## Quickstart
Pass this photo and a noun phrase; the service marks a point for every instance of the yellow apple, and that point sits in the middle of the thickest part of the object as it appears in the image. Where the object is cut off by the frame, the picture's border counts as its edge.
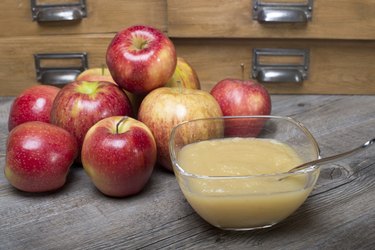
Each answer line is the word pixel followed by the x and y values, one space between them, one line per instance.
pixel 164 108
pixel 184 75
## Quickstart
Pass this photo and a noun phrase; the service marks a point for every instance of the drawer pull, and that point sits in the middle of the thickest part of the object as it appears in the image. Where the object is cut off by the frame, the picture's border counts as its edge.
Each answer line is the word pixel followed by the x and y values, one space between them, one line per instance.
pixel 59 75
pixel 268 72
pixel 282 12
pixel 58 12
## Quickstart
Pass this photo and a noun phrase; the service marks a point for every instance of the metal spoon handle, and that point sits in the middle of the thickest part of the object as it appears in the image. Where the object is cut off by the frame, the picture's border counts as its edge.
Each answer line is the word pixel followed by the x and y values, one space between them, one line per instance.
pixel 333 157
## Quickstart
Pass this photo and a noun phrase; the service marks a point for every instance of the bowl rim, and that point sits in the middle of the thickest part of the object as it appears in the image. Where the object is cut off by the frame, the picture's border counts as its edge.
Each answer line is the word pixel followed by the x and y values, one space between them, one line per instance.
pixel 309 169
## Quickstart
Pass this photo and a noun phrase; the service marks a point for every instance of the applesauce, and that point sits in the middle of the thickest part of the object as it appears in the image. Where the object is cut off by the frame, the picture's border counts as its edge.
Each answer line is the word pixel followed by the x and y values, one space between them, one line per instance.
pixel 251 200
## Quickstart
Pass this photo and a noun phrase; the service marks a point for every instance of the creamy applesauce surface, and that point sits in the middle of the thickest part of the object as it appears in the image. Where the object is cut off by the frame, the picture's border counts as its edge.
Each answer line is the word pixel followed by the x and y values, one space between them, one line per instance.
pixel 239 203
pixel 238 156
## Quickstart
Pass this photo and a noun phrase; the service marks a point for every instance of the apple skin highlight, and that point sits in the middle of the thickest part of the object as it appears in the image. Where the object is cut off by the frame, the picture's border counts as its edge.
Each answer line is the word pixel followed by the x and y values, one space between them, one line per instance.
pixel 33 104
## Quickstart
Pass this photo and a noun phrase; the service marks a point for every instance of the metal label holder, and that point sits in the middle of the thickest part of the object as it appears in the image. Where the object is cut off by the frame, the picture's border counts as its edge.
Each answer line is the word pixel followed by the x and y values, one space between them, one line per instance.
pixel 58 12
pixel 271 73
pixel 282 12
pixel 59 75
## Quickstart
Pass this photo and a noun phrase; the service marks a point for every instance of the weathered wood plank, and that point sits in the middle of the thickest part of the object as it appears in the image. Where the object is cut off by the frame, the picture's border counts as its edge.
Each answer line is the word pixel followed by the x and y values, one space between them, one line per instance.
pixel 102 17
pixel 343 67
pixel 334 19
pixel 338 214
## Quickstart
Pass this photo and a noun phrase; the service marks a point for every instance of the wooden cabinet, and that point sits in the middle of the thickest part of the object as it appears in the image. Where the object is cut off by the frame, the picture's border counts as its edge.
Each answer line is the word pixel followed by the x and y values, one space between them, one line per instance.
pixel 215 36
pixel 21 37
pixel 101 17
pixel 218 36
pixel 335 68
pixel 334 19
pixel 17 61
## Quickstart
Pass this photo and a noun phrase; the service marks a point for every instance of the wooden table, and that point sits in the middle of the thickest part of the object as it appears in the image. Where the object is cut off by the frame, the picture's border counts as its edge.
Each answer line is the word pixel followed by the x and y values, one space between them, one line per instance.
pixel 339 214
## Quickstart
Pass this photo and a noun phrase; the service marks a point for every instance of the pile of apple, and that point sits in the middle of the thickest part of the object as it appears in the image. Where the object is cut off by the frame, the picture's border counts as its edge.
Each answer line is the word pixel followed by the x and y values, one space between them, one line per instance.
pixel 116 121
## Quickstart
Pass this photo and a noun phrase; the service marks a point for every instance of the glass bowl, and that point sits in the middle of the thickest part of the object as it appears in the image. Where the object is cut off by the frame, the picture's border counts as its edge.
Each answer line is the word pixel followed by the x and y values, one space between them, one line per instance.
pixel 233 200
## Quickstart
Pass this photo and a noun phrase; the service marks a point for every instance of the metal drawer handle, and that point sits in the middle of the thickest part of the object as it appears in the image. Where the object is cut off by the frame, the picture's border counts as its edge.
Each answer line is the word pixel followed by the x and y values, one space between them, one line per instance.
pixel 283 72
pixel 59 75
pixel 58 12
pixel 282 12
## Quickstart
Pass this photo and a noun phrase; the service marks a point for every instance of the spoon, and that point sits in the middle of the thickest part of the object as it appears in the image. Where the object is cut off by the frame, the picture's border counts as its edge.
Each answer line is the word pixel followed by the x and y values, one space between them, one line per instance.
pixel 333 157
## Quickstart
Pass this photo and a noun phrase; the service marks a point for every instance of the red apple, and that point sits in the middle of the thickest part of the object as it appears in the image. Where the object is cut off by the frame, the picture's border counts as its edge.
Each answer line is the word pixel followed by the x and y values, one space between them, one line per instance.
pixel 38 156
pixel 164 108
pixel 103 74
pixel 240 98
pixel 141 58
pixel 80 104
pixel 119 154
pixel 184 75
pixel 33 104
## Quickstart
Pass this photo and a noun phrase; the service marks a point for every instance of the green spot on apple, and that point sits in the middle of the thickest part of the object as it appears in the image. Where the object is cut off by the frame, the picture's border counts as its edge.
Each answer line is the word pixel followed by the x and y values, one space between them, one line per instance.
pixel 140 43
pixel 87 87
pixel 8 173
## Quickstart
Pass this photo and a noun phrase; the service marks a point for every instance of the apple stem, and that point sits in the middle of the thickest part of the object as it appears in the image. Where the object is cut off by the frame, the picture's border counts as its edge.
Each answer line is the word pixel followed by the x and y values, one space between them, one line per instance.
pixel 143 45
pixel 119 123
pixel 179 85
pixel 102 69
pixel 243 71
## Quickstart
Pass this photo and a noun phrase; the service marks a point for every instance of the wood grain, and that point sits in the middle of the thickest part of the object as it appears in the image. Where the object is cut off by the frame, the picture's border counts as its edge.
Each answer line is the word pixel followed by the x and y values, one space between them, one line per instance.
pixel 339 19
pixel 102 17
pixel 339 214
pixel 17 62
pixel 336 67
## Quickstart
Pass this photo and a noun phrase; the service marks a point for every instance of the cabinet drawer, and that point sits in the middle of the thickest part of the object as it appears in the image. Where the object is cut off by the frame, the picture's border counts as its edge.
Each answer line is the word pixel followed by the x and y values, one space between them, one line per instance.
pixel 336 19
pixel 102 17
pixel 335 67
pixel 17 56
